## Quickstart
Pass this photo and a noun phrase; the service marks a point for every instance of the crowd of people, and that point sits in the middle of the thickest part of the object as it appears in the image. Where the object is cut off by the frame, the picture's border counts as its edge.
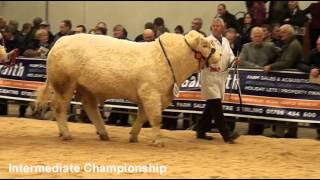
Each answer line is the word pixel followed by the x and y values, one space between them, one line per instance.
pixel 267 40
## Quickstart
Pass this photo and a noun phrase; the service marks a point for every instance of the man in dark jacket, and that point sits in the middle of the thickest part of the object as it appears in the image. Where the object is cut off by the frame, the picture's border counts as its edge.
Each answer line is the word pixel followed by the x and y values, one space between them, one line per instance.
pixel 229 19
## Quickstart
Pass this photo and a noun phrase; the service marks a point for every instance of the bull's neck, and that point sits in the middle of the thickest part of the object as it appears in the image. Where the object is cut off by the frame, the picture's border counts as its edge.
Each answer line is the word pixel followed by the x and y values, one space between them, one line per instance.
pixel 182 59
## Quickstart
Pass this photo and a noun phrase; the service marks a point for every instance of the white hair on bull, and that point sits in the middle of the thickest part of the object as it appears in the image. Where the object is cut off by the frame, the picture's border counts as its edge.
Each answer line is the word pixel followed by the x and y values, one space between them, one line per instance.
pixel 100 67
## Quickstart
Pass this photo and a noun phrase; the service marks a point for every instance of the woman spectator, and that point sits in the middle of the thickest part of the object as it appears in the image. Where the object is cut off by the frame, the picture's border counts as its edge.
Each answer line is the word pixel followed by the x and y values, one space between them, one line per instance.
pixel 246 26
pixel 40 45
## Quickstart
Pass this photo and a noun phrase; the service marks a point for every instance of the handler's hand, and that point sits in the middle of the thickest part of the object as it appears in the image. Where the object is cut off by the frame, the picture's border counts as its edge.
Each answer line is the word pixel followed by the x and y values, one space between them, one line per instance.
pixel 314 72
pixel 267 69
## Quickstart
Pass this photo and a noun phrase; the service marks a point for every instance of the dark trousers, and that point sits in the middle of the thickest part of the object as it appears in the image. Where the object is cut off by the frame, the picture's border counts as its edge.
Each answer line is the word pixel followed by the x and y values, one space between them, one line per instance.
pixel 23 110
pixel 213 110
pixel 314 34
pixel 3 107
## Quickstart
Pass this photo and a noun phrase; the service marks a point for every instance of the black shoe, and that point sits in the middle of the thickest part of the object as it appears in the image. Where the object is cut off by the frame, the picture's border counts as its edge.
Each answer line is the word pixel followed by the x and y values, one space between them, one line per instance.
pixel 204 136
pixel 290 136
pixel 232 137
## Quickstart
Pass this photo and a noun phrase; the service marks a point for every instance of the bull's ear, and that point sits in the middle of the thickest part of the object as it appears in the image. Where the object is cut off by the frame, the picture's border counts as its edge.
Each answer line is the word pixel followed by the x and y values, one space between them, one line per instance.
pixel 193 38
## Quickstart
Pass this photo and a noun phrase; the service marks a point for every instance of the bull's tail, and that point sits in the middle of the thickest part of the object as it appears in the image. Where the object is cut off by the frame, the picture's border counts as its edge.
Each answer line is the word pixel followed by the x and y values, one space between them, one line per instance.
pixel 42 98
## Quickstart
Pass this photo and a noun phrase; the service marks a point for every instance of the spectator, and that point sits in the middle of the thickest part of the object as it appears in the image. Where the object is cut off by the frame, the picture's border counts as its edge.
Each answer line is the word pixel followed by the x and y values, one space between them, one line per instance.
pixel 100 31
pixel 275 35
pixel 178 29
pixel 30 36
pixel 245 28
pixel 3 24
pixel 295 16
pixel 80 29
pixel 120 32
pixel 314 26
pixel 196 25
pixel 234 41
pixel 291 50
pixel 139 38
pixel 26 28
pixel 40 46
pixel 290 56
pixel 64 30
pixel 12 40
pixel 257 54
pixel 15 25
pixel 277 11
pixel 267 30
pixel 148 35
pixel 229 19
pixel 159 26
pixel 46 26
pixel 92 31
pixel 311 64
pixel 258 12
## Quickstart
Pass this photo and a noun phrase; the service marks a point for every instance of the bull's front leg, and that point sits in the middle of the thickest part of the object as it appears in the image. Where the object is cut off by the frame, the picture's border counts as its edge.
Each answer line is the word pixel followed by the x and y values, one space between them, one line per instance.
pixel 135 130
pixel 153 109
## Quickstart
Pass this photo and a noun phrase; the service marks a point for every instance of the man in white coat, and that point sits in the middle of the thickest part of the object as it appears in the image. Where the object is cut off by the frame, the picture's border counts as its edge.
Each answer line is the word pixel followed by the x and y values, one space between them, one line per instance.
pixel 213 81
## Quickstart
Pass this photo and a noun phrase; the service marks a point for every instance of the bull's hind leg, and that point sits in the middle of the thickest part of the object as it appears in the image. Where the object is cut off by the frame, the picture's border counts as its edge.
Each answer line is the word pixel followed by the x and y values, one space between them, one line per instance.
pixel 135 130
pixel 153 109
pixel 90 105
pixel 60 105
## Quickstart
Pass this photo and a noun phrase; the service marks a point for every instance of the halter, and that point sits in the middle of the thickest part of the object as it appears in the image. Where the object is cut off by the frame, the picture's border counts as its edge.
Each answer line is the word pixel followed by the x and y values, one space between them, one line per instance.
pixel 199 56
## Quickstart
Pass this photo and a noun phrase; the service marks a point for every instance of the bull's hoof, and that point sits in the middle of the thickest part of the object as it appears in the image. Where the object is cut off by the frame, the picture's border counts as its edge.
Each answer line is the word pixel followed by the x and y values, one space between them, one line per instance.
pixel 66 138
pixel 104 137
pixel 133 139
pixel 158 143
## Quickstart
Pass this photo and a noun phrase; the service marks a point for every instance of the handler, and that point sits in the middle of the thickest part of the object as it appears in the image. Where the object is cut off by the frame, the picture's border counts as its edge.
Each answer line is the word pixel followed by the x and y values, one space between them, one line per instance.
pixel 213 81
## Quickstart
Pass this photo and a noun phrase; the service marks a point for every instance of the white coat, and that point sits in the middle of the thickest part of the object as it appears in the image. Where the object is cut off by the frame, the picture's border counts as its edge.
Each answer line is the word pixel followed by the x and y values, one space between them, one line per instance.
pixel 213 83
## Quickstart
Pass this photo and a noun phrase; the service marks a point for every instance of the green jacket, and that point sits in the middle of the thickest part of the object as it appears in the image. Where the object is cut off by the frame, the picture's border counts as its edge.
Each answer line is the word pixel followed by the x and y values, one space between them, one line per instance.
pixel 290 55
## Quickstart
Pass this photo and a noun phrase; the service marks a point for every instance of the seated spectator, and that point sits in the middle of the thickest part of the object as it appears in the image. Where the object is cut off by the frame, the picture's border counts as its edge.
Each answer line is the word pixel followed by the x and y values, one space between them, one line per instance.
pixel 44 25
pixel 139 38
pixel 12 40
pixel 311 64
pixel 267 30
pixel 229 19
pixel 120 32
pixel 234 41
pixel 92 31
pixel 291 50
pixel 15 25
pixel 40 46
pixel 257 54
pixel 196 25
pixel 30 36
pixel 178 29
pixel 290 56
pixel 148 35
pixel 275 35
pixel 26 28
pixel 245 28
pixel 80 29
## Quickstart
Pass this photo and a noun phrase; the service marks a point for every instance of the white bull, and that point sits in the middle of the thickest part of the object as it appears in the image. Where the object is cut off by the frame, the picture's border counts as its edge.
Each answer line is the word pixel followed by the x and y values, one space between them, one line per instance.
pixel 3 55
pixel 100 67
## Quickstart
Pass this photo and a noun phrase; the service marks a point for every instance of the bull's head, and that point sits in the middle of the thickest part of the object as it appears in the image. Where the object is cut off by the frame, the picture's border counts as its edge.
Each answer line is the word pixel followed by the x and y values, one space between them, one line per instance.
pixel 3 54
pixel 203 48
